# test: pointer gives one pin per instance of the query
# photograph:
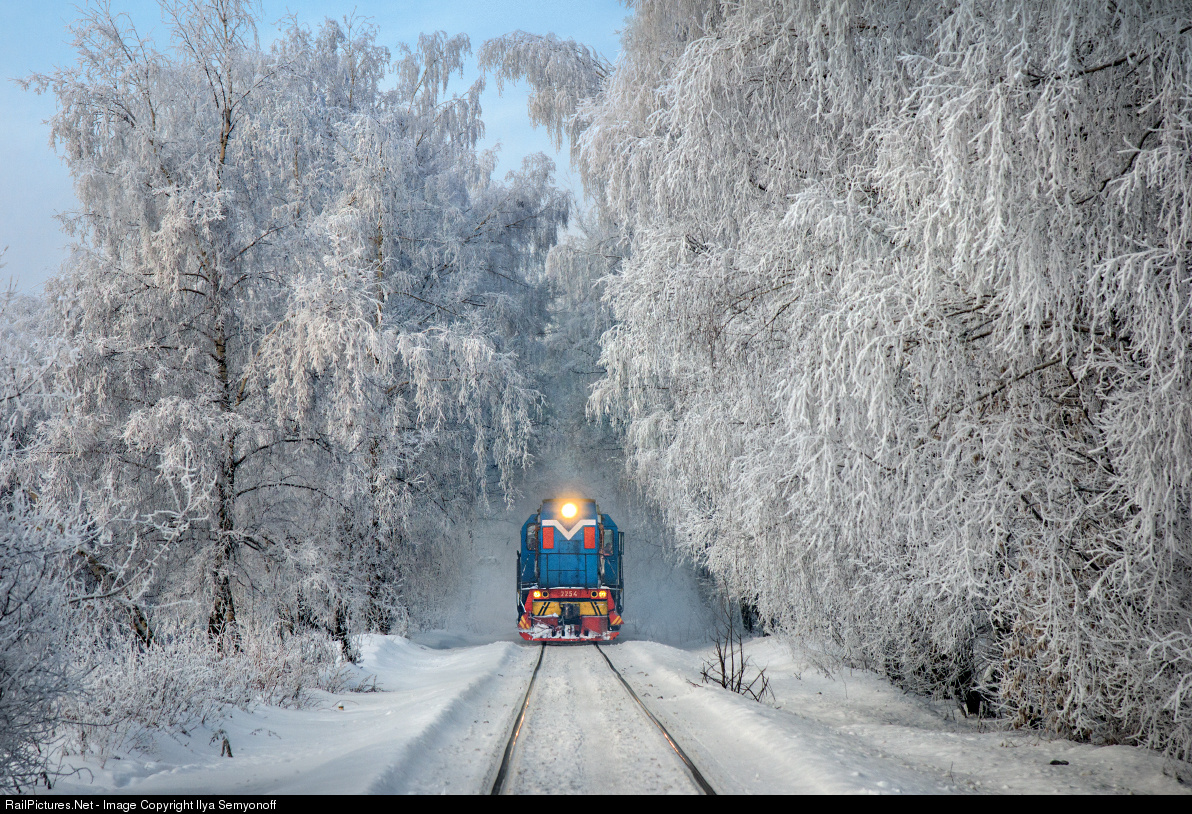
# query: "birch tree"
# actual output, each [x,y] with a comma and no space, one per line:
[445,264]
[294,298]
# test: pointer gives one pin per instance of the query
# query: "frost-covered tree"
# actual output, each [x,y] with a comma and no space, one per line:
[446,265]
[35,547]
[294,298]
[901,338]
[564,76]
[180,269]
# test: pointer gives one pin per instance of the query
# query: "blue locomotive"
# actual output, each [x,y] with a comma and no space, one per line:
[569,573]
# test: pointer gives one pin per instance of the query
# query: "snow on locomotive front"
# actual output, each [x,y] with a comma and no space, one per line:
[569,573]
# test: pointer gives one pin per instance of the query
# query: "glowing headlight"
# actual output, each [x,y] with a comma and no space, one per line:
[538,594]
[602,594]
[568,510]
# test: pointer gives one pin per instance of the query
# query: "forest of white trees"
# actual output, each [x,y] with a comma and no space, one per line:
[902,314]
[284,355]
[890,305]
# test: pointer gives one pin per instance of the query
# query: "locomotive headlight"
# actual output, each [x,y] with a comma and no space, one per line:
[568,510]
[538,594]
[602,594]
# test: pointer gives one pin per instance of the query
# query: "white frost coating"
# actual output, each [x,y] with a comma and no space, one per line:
[298,304]
[902,338]
[561,73]
[35,545]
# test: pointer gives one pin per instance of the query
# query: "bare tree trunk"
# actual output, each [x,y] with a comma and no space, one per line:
[222,623]
[105,582]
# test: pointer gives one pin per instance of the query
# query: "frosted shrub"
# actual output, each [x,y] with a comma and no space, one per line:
[35,544]
[35,672]
[185,681]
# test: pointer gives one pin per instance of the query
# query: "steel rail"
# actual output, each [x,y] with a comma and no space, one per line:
[695,773]
[503,771]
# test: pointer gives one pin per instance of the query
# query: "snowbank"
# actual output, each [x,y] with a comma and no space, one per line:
[443,708]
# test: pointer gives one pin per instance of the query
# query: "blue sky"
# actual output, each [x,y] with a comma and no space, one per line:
[34,184]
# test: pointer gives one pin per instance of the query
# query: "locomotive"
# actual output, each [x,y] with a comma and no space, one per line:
[569,573]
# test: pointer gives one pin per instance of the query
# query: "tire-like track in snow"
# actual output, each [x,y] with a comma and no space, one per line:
[576,705]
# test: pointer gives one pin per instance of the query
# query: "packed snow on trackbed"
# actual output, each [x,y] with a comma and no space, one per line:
[568,748]
[444,705]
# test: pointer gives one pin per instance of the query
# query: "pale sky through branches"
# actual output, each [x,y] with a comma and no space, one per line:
[35,185]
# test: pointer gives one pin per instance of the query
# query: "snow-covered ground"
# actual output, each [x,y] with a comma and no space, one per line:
[445,704]
[856,733]
[433,724]
[566,747]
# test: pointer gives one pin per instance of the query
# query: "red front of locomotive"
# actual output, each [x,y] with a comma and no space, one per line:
[569,614]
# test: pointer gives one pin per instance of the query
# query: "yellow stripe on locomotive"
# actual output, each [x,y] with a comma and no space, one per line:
[585,609]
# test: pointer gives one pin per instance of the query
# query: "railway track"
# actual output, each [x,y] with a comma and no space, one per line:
[501,783]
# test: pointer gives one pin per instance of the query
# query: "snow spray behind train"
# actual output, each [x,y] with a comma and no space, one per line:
[569,573]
